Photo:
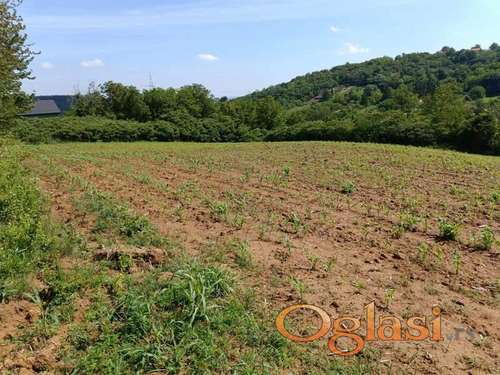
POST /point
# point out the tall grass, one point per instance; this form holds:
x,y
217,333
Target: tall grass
x,y
27,237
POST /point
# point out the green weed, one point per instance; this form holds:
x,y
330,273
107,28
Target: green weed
x,y
485,239
299,286
448,231
243,256
348,188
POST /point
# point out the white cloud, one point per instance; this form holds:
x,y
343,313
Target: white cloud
x,y
95,63
334,29
353,49
207,57
47,65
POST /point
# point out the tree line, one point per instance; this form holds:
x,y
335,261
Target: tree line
x,y
184,105
447,117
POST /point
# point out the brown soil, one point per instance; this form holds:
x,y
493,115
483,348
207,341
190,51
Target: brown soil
x,y
342,248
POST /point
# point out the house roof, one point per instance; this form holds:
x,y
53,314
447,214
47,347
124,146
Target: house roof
x,y
43,107
64,102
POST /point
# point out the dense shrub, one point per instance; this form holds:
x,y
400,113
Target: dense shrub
x,y
481,134
95,129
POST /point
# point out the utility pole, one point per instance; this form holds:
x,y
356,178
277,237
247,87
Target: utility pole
x,y
151,84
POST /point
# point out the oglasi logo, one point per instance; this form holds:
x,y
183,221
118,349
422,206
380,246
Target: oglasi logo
x,y
389,328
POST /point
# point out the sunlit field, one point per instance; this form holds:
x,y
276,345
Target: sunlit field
x,y
176,258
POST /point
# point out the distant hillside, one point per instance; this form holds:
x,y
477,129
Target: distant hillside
x,y
421,72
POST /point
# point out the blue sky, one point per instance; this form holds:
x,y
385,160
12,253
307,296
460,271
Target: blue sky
x,y
236,46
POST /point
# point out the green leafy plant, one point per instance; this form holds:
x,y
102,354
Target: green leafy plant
x,y
246,176
423,252
348,188
29,240
409,222
359,284
495,197
125,262
398,231
485,240
286,172
448,231
243,255
296,223
328,266
315,260
457,261
439,255
389,296
144,179
299,286
218,210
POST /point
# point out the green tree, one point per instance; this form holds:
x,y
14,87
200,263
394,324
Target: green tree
x,y
243,110
448,110
15,58
267,113
479,134
354,94
196,100
125,102
91,104
161,102
371,95
403,99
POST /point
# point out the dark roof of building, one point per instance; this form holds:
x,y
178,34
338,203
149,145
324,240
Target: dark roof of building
x,y
64,102
43,107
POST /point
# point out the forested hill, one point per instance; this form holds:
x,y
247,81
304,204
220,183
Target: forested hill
x,y
420,72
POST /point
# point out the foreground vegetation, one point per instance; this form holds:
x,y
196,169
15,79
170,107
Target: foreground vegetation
x,y
176,258
28,239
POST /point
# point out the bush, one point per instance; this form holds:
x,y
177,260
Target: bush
x,y
477,92
448,231
94,129
348,188
486,239
480,133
